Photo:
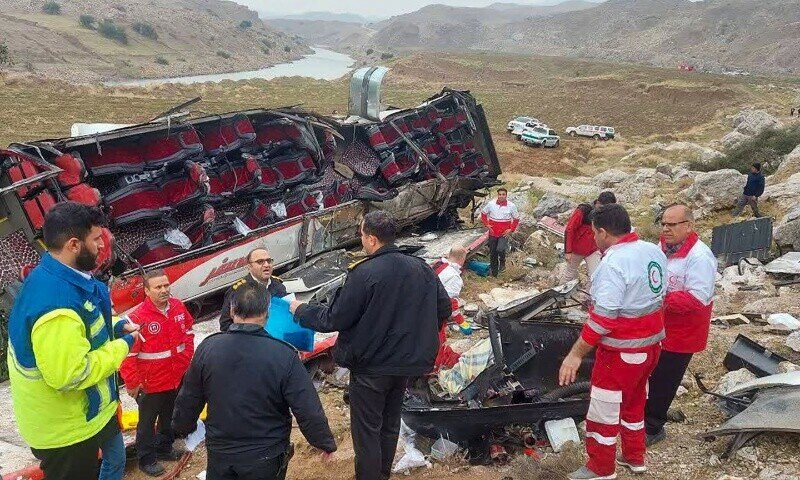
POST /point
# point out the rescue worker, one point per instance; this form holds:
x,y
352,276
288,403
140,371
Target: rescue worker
x,y
388,314
579,244
691,273
501,217
449,272
154,369
64,351
626,324
259,267
250,406
753,189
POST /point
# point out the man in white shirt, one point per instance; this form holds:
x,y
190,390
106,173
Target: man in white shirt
x,y
501,216
449,272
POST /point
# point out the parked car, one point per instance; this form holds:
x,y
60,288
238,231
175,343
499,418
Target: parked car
x,y
594,131
520,129
519,122
540,137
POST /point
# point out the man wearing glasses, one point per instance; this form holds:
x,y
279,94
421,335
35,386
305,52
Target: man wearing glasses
x,y
691,273
259,266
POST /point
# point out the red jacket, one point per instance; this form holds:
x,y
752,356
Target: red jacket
x,y
691,276
499,218
578,236
158,363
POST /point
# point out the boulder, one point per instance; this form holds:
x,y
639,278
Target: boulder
x,y
716,190
786,194
578,187
664,168
733,140
753,122
793,341
731,380
791,163
644,183
787,231
610,178
551,205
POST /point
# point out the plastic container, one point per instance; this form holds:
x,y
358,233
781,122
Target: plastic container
x,y
481,268
281,325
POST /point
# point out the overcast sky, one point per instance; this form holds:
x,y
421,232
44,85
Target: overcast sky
x,y
369,8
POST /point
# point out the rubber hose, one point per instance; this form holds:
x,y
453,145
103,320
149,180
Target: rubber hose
x,y
566,391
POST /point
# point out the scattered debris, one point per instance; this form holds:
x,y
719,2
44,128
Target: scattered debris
x,y
787,367
497,297
551,225
731,380
731,320
560,432
748,453
788,264
681,391
412,458
443,449
530,262
714,461
785,320
793,341
749,240
747,354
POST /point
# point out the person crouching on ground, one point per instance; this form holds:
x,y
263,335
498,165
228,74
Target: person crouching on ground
x,y
449,272
579,244
253,383
691,273
154,369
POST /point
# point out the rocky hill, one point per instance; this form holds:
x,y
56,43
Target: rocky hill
x,y
714,35
98,39
334,33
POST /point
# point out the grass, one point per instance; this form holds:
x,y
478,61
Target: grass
x,y
766,148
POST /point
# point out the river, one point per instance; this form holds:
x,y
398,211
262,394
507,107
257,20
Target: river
x,y
322,65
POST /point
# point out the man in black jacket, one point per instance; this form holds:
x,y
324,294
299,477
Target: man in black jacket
x,y
250,381
752,190
259,267
388,314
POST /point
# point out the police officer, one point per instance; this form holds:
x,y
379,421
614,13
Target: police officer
x,y
250,407
388,314
259,266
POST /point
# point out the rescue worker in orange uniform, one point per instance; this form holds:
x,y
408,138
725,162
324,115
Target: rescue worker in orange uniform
x,y
154,369
626,324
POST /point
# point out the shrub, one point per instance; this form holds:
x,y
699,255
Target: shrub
x,y
265,50
224,55
287,49
87,21
145,30
109,29
386,56
268,43
5,56
120,8
161,60
369,51
51,8
245,24
767,148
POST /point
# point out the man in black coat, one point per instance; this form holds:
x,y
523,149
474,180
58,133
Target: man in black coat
x,y
753,189
252,383
259,266
388,314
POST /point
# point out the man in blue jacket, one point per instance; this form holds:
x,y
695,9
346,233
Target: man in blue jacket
x,y
753,189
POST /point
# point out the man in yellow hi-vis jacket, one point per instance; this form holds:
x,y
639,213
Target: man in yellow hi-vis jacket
x,y
63,356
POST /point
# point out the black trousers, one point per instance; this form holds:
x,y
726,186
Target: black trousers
x,y
375,405
266,469
497,257
664,383
78,461
154,431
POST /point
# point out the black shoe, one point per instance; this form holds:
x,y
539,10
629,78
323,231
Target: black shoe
x,y
171,456
154,469
655,438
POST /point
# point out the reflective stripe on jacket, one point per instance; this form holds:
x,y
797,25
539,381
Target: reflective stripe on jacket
x,y
627,293
62,356
499,218
158,363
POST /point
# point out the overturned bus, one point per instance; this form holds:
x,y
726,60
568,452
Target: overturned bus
x,y
194,195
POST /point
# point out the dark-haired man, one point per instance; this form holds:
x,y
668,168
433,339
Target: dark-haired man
x,y
626,324
501,217
154,369
250,406
388,314
259,270
753,189
64,352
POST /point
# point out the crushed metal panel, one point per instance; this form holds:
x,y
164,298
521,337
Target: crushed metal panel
x,y
365,92
440,247
780,379
746,353
415,202
788,264
749,239
773,410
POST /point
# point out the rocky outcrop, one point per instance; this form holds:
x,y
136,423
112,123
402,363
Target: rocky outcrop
x,y
753,122
785,194
644,183
733,140
791,163
787,232
610,178
551,205
715,190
